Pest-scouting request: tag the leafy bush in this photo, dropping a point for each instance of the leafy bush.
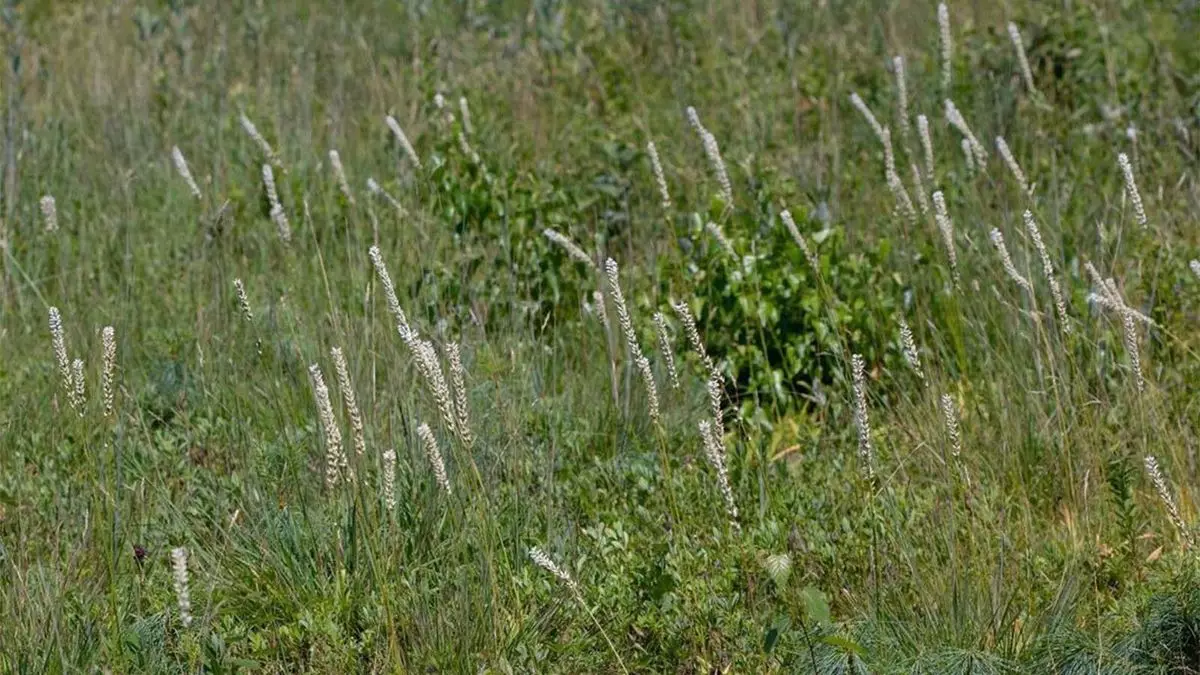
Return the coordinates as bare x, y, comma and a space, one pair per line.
783, 331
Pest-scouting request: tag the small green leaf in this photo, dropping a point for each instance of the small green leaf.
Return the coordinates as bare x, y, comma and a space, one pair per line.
779, 565
815, 605
777, 628
845, 644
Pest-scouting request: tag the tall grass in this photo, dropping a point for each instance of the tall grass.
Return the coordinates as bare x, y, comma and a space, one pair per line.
1004, 488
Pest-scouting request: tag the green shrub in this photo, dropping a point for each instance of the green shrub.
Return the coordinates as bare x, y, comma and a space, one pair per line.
782, 331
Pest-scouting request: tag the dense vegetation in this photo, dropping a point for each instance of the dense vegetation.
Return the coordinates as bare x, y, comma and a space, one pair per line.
889, 445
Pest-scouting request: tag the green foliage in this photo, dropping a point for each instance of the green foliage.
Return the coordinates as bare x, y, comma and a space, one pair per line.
784, 331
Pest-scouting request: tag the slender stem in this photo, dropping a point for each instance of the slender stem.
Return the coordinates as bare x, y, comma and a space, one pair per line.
603, 633
660, 434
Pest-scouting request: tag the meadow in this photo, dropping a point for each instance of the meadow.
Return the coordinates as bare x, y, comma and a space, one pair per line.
697, 336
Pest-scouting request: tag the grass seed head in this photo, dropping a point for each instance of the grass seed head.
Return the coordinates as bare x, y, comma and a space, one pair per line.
539, 558
59, 343
179, 572
108, 343
947, 46
570, 247
1014, 34
660, 178
339, 174
862, 417
1006, 260
1131, 188
458, 379
181, 166
434, 454
401, 139
357, 432
49, 213
950, 415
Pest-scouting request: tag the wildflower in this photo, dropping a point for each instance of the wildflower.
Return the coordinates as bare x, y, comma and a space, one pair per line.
281, 223
1095, 275
268, 176
694, 120
881, 132
464, 146
439, 102
889, 155
1110, 298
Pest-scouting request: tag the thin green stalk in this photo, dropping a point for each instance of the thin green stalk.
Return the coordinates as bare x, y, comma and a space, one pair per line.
603, 633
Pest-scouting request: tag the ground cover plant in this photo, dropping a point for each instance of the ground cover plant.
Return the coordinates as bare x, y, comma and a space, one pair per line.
692, 336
